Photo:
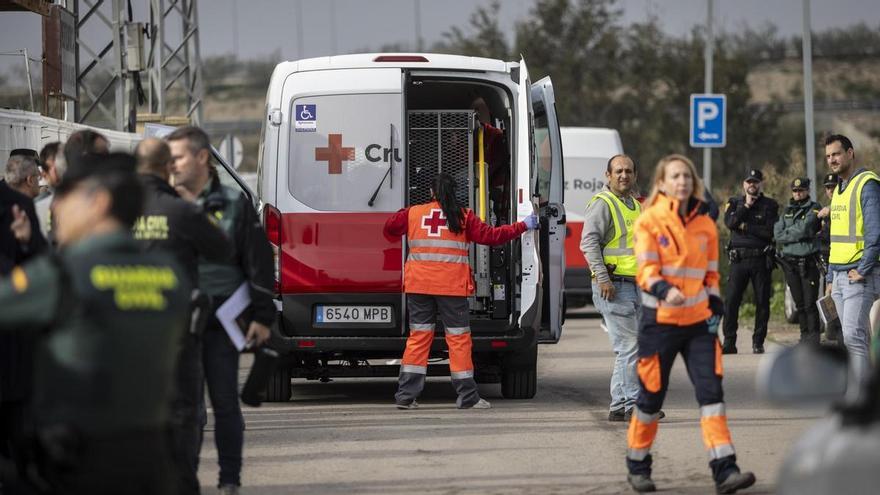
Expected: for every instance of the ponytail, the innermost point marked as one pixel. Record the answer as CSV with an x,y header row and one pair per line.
x,y
444,193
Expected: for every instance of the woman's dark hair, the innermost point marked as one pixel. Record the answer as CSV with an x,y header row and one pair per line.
x,y
444,193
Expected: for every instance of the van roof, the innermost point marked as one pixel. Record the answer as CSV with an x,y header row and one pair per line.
x,y
368,61
597,142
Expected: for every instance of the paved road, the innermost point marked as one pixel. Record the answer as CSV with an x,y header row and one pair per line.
x,y
346,437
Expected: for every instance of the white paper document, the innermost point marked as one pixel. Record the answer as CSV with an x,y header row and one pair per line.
x,y
230,310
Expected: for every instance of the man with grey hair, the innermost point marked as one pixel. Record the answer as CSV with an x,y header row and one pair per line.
x,y
23,174
19,240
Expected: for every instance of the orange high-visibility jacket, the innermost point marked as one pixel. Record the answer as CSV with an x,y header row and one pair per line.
x,y
437,263
681,252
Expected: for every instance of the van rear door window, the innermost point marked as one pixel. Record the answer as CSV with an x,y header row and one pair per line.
x,y
341,148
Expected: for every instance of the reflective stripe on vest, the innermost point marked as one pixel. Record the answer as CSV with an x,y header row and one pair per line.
x,y
653,302
438,260
619,251
847,222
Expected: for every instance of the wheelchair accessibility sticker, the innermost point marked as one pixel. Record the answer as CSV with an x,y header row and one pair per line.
x,y
306,118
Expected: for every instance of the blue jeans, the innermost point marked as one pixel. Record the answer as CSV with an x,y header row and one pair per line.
x,y
622,315
853,302
220,359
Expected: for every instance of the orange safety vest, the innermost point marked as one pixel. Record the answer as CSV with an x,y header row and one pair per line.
x,y
437,263
684,254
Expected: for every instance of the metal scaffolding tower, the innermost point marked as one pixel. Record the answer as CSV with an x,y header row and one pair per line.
x,y
110,58
175,65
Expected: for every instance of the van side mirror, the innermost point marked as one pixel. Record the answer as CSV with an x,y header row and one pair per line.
x,y
806,374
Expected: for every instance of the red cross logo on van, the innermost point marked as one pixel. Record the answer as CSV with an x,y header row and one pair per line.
x,y
434,222
334,154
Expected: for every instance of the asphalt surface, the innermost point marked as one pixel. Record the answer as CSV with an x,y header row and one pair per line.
x,y
347,437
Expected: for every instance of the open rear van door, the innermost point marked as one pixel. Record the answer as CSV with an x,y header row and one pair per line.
x,y
530,289
549,191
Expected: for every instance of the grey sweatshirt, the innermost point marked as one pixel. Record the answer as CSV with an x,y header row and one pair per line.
x,y
598,232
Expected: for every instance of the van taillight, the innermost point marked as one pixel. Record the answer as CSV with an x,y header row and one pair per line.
x,y
275,233
400,58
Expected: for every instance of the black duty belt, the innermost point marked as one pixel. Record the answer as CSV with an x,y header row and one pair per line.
x,y
621,278
749,252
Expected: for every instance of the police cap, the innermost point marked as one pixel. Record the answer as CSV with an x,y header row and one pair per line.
x,y
97,166
754,175
800,183
830,180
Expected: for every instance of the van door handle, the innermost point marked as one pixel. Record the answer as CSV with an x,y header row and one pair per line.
x,y
561,221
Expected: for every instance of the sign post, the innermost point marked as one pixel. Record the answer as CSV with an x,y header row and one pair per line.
x,y
708,126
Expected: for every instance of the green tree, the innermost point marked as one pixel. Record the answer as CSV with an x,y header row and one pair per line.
x,y
486,40
578,42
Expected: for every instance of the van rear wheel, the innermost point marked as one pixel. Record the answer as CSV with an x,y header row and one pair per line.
x,y
278,388
519,384
519,374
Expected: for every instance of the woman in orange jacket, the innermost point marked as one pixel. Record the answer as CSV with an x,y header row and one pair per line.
x,y
437,280
676,246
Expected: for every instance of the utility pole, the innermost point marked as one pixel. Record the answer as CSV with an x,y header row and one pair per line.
x,y
810,138
300,49
418,25
333,47
707,87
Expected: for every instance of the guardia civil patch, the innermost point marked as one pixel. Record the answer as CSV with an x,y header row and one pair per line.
x,y
19,280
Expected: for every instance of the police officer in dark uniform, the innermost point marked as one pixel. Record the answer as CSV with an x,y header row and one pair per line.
x,y
110,319
795,232
833,332
750,219
184,230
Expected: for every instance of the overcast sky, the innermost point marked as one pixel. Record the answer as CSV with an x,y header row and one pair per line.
x,y
266,26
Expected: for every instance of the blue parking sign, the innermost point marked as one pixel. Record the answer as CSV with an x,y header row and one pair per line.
x,y
708,121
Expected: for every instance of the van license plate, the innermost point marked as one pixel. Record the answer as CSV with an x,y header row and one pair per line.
x,y
353,314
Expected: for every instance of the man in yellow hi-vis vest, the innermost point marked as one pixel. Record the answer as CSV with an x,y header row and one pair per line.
x,y
607,244
853,272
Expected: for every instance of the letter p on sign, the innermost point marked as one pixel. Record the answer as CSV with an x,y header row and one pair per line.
x,y
708,121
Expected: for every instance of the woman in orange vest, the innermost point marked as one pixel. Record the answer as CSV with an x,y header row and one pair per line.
x,y
676,246
437,281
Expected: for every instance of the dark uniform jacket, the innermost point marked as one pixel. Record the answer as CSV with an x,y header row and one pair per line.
x,y
751,228
16,351
824,237
109,318
796,230
179,227
252,257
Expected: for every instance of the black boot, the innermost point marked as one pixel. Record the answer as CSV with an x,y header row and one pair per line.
x,y
735,481
641,483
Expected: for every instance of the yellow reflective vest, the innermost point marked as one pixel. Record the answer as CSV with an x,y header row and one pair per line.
x,y
847,222
619,251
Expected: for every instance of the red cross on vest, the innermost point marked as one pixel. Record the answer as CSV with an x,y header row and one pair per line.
x,y
434,223
334,154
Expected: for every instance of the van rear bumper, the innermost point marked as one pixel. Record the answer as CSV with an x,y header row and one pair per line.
x,y
299,332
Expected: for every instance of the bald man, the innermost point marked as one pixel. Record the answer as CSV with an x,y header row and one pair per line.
x,y
181,228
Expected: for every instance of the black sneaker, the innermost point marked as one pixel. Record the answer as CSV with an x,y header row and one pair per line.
x,y
617,415
641,483
758,348
734,482
728,349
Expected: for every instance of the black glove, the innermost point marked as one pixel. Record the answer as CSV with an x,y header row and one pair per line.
x,y
716,305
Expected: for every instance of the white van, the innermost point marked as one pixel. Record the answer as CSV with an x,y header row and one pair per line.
x,y
350,139
587,150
